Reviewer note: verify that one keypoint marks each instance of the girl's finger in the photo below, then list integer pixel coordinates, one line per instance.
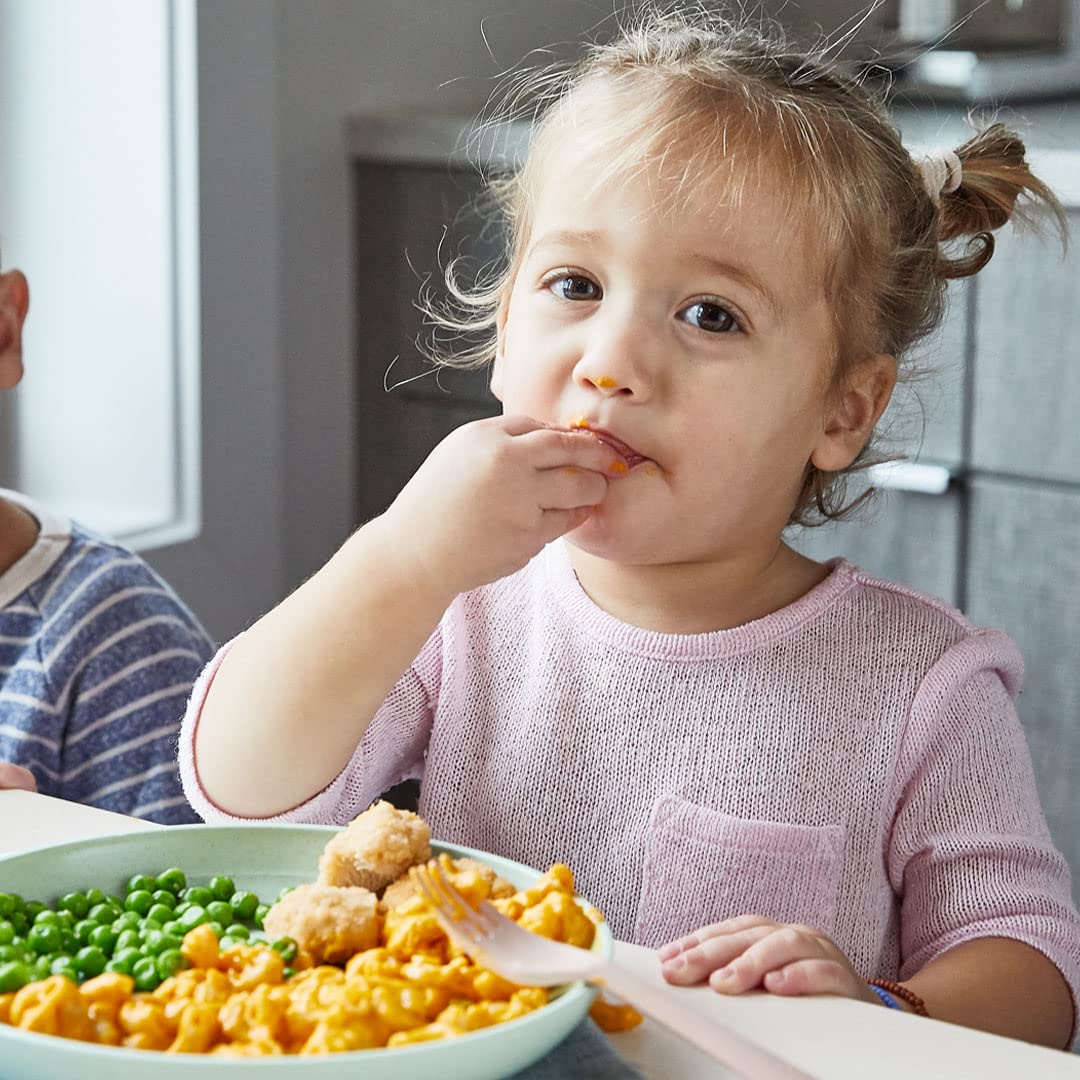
(769, 953)
(815, 976)
(556, 523)
(728, 926)
(568, 487)
(550, 447)
(15, 776)
(695, 964)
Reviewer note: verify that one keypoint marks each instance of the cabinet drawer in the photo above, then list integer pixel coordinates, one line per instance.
(905, 537)
(1023, 575)
(1026, 385)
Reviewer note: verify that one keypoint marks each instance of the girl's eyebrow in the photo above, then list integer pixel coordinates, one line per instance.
(743, 276)
(566, 237)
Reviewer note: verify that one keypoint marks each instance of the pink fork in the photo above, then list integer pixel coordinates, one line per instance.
(528, 959)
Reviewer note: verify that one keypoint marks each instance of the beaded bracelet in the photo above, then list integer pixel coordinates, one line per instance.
(899, 990)
(886, 998)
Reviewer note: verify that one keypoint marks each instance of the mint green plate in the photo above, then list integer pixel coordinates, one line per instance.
(261, 858)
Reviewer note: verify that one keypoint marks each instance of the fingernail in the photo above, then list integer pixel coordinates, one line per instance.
(723, 974)
(672, 948)
(675, 963)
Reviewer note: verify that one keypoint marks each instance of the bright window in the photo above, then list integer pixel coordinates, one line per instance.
(98, 205)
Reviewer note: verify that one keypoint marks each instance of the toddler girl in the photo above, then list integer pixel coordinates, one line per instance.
(579, 623)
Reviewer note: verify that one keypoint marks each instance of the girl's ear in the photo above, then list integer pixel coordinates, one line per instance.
(500, 345)
(14, 304)
(855, 409)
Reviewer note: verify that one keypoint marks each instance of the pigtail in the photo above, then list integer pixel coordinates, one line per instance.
(996, 186)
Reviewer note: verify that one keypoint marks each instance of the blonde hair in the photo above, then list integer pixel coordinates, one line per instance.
(695, 92)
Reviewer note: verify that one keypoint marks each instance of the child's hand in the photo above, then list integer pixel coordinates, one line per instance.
(492, 494)
(15, 776)
(751, 951)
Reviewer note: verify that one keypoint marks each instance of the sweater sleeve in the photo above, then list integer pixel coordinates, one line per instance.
(391, 750)
(970, 854)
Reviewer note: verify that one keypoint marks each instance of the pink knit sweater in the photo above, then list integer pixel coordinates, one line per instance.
(853, 762)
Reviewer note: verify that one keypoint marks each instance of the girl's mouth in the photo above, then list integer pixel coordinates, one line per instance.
(624, 450)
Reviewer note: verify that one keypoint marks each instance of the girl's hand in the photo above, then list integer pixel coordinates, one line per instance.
(750, 951)
(491, 495)
(15, 776)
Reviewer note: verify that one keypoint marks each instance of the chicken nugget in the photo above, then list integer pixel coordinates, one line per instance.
(329, 923)
(375, 848)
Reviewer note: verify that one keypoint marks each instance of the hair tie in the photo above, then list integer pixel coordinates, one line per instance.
(941, 173)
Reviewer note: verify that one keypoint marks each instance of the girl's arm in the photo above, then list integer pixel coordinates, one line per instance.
(998, 985)
(295, 694)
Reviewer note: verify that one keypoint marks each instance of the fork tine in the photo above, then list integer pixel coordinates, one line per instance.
(457, 917)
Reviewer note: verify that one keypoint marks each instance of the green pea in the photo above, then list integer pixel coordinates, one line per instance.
(218, 929)
(158, 942)
(284, 891)
(9, 953)
(60, 960)
(244, 905)
(126, 958)
(83, 929)
(238, 930)
(126, 939)
(69, 942)
(8, 905)
(159, 913)
(173, 927)
(46, 918)
(19, 921)
(94, 896)
(198, 894)
(288, 973)
(287, 947)
(194, 916)
(228, 942)
(13, 976)
(116, 901)
(69, 973)
(105, 938)
(40, 968)
(130, 920)
(104, 912)
(180, 908)
(170, 962)
(222, 887)
(260, 914)
(34, 908)
(7, 932)
(147, 925)
(219, 911)
(90, 961)
(44, 939)
(118, 967)
(76, 903)
(140, 883)
(163, 896)
(145, 974)
(140, 901)
(173, 879)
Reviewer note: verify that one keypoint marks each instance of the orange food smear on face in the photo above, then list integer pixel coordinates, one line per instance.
(579, 422)
(606, 382)
(618, 466)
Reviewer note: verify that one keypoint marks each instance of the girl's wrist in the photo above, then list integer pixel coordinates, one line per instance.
(389, 548)
(894, 995)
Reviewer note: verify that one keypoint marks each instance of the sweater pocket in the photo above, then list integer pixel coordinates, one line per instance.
(702, 866)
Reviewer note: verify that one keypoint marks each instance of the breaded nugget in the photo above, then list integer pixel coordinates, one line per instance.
(375, 848)
(328, 923)
(400, 891)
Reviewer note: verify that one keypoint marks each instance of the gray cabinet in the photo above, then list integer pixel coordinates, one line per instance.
(1026, 376)
(1024, 576)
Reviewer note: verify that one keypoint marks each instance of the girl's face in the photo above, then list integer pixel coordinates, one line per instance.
(698, 337)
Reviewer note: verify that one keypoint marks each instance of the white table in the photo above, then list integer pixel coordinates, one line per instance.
(831, 1038)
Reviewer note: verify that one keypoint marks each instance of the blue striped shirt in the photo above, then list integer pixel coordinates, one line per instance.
(97, 659)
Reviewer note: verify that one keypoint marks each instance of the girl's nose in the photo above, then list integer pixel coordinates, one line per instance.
(616, 365)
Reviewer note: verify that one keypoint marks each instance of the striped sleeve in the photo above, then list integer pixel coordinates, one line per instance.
(119, 653)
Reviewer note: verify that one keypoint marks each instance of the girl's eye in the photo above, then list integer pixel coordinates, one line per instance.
(574, 287)
(709, 316)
